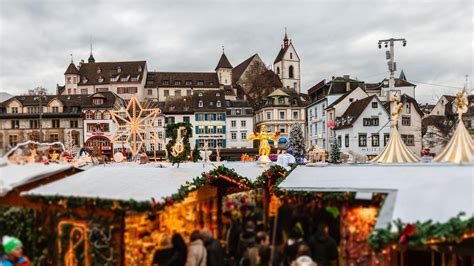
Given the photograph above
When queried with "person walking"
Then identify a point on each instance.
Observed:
(178, 251)
(303, 257)
(323, 247)
(231, 237)
(197, 253)
(13, 248)
(215, 253)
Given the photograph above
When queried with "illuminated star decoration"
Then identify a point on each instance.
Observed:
(132, 124)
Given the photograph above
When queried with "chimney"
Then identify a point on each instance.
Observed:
(347, 76)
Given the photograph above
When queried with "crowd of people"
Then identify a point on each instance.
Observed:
(305, 235)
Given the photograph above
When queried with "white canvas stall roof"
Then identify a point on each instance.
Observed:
(418, 192)
(123, 183)
(250, 170)
(14, 175)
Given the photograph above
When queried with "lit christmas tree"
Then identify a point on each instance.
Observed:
(295, 144)
(335, 152)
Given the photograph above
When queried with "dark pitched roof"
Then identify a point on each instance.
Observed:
(441, 122)
(209, 99)
(407, 98)
(105, 72)
(398, 83)
(354, 111)
(280, 55)
(295, 99)
(68, 101)
(316, 87)
(238, 104)
(223, 62)
(182, 79)
(71, 69)
(240, 68)
(110, 98)
(178, 104)
(272, 78)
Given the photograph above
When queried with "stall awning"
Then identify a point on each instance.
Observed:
(416, 192)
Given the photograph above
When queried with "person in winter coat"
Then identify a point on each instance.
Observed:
(231, 236)
(13, 252)
(197, 254)
(215, 253)
(179, 251)
(323, 247)
(295, 240)
(303, 257)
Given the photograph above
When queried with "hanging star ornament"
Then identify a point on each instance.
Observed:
(133, 123)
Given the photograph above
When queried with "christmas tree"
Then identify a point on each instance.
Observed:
(335, 152)
(295, 144)
(196, 154)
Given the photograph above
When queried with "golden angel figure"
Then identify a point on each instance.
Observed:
(264, 137)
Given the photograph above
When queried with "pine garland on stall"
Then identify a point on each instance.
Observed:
(296, 145)
(196, 154)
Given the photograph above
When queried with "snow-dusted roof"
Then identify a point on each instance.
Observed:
(13, 175)
(250, 170)
(418, 192)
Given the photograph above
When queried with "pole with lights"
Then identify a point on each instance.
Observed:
(390, 56)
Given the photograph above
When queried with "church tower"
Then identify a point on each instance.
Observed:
(287, 65)
(71, 78)
(224, 70)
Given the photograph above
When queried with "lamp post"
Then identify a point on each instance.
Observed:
(390, 56)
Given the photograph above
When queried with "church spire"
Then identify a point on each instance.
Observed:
(91, 57)
(285, 40)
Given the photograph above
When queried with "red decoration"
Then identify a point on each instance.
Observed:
(408, 231)
(208, 177)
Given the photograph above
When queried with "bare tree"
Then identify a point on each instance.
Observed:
(38, 91)
(259, 81)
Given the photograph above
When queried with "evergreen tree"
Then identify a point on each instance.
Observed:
(196, 154)
(295, 144)
(335, 152)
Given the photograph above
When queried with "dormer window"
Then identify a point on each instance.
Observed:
(211, 83)
(218, 104)
(125, 78)
(99, 70)
(166, 82)
(201, 104)
(98, 101)
(84, 80)
(218, 94)
(139, 68)
(281, 100)
(100, 79)
(172, 108)
(200, 94)
(200, 83)
(177, 82)
(295, 101)
(135, 78)
(119, 69)
(115, 79)
(211, 103)
(189, 82)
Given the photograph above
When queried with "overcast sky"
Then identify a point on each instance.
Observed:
(331, 37)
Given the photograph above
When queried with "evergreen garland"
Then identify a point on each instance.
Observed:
(272, 177)
(295, 145)
(196, 154)
(451, 231)
(172, 133)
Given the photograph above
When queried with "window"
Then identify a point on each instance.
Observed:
(188, 82)
(84, 91)
(295, 115)
(126, 90)
(88, 115)
(409, 140)
(282, 130)
(290, 72)
(233, 123)
(177, 92)
(243, 124)
(278, 70)
(33, 110)
(346, 140)
(165, 82)
(281, 100)
(200, 83)
(200, 129)
(14, 110)
(386, 137)
(374, 121)
(119, 69)
(13, 140)
(282, 115)
(177, 82)
(374, 105)
(150, 92)
(291, 55)
(220, 129)
(56, 123)
(152, 146)
(362, 140)
(105, 127)
(97, 115)
(375, 140)
(201, 104)
(339, 141)
(189, 92)
(406, 121)
(69, 80)
(269, 115)
(233, 135)
(407, 108)
(101, 89)
(53, 137)
(106, 115)
(166, 93)
(186, 119)
(243, 135)
(159, 122)
(15, 123)
(73, 124)
(55, 109)
(34, 123)
(218, 103)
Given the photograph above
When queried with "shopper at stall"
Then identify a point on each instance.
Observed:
(295, 240)
(231, 236)
(303, 257)
(323, 247)
(215, 253)
(178, 251)
(13, 253)
(250, 256)
(197, 253)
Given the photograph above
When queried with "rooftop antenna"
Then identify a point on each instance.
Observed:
(71, 58)
(222, 48)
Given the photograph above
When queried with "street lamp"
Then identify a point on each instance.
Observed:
(390, 56)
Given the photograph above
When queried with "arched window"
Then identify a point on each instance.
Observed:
(98, 115)
(290, 71)
(106, 115)
(291, 55)
(218, 104)
(88, 115)
(201, 104)
(278, 70)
